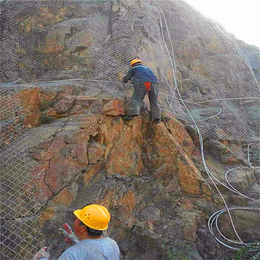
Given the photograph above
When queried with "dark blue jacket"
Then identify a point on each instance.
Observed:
(140, 75)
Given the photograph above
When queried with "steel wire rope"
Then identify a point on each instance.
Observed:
(54, 82)
(202, 151)
(176, 82)
(236, 208)
(248, 157)
(226, 174)
(214, 219)
(237, 191)
(219, 112)
(173, 64)
(224, 99)
(217, 226)
(210, 227)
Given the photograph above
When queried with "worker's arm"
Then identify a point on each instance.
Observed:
(128, 76)
(70, 237)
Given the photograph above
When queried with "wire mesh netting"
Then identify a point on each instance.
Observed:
(56, 43)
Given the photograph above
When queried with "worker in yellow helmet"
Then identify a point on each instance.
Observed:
(144, 81)
(88, 242)
(88, 226)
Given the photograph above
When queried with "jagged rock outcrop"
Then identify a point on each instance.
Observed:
(148, 175)
(99, 157)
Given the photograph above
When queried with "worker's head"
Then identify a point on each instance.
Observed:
(135, 62)
(93, 218)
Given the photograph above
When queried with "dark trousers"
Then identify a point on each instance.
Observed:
(137, 100)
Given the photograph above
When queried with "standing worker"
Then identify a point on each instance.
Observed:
(88, 226)
(144, 81)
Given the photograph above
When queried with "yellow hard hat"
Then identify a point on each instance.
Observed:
(134, 61)
(94, 216)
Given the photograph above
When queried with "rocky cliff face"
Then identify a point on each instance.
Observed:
(65, 144)
(149, 176)
(95, 40)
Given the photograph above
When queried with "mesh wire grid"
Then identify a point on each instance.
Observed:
(82, 54)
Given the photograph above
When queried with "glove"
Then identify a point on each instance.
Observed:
(70, 237)
(42, 254)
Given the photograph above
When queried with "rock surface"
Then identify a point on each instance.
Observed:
(65, 144)
(148, 176)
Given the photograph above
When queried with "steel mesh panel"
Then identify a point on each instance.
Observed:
(188, 75)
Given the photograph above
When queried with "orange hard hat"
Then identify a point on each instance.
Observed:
(134, 61)
(94, 216)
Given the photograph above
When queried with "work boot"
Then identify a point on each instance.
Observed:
(128, 118)
(157, 121)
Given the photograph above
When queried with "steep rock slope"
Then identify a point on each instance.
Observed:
(149, 176)
(158, 193)
(73, 40)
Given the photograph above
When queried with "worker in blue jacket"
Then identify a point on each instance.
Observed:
(144, 81)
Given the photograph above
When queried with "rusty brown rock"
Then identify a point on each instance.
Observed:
(61, 171)
(125, 157)
(90, 124)
(63, 105)
(111, 129)
(127, 204)
(91, 172)
(64, 197)
(166, 145)
(55, 145)
(189, 176)
(191, 226)
(114, 107)
(38, 152)
(41, 192)
(46, 215)
(182, 137)
(80, 151)
(30, 99)
(95, 152)
(34, 101)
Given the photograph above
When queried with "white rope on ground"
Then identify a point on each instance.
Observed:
(210, 175)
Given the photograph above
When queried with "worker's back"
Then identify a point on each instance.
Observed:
(144, 74)
(92, 249)
(140, 74)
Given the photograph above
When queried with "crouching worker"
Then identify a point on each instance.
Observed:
(144, 81)
(88, 226)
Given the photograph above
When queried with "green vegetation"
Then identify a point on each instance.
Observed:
(249, 252)
(243, 253)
